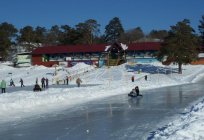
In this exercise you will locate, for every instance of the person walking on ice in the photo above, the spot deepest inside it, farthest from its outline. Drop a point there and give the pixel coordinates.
(67, 80)
(12, 83)
(78, 81)
(3, 86)
(43, 82)
(46, 82)
(21, 81)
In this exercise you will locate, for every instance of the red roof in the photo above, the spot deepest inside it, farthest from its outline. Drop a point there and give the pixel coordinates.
(93, 48)
(144, 46)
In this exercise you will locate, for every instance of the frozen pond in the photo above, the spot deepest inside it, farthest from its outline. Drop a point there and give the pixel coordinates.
(118, 117)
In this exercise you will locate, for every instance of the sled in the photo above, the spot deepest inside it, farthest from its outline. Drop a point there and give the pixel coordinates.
(134, 95)
(37, 88)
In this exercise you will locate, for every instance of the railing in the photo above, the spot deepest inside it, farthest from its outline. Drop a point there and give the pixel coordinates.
(72, 74)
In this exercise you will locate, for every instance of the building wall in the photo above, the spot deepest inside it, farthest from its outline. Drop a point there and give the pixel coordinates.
(37, 60)
(199, 62)
(23, 59)
(88, 62)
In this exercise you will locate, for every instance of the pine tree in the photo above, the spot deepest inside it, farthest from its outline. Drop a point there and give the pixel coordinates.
(53, 35)
(180, 46)
(7, 34)
(132, 35)
(88, 30)
(114, 30)
(201, 29)
(158, 34)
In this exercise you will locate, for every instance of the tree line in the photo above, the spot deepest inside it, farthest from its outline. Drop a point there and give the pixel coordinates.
(87, 32)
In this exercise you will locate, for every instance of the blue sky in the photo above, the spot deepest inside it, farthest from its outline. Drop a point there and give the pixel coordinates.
(147, 14)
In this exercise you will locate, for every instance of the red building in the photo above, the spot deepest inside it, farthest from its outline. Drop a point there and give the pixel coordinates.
(98, 54)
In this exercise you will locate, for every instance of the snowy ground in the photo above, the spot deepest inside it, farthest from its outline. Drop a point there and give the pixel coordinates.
(97, 83)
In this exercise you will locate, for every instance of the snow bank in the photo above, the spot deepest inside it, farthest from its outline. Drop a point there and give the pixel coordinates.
(5, 67)
(189, 126)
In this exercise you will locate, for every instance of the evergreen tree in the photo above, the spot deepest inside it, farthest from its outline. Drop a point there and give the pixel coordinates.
(53, 35)
(69, 35)
(89, 30)
(201, 29)
(158, 34)
(133, 35)
(114, 30)
(27, 34)
(180, 46)
(7, 34)
(40, 34)
(27, 38)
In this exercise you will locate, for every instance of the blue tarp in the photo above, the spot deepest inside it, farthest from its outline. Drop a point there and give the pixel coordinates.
(147, 68)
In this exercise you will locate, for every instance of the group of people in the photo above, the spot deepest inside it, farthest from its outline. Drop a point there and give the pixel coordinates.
(12, 82)
(133, 78)
(135, 92)
(3, 84)
(66, 80)
(44, 83)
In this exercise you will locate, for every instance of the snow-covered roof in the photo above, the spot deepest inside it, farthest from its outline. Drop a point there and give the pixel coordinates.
(201, 55)
(107, 47)
(124, 46)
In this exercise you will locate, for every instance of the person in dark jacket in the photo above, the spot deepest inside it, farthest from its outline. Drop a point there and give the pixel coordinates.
(67, 80)
(43, 82)
(137, 91)
(21, 81)
(46, 82)
(133, 78)
(145, 77)
(12, 83)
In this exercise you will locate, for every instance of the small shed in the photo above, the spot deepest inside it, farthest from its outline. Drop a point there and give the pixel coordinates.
(116, 54)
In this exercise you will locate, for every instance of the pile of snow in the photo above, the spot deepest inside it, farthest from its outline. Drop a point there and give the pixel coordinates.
(188, 126)
(5, 66)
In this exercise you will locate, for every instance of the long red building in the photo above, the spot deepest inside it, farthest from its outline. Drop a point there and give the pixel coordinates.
(98, 54)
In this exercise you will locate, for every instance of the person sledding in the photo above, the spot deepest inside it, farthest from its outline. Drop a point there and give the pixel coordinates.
(135, 92)
(37, 86)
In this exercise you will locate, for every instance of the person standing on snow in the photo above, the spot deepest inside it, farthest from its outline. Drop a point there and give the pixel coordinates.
(145, 77)
(67, 80)
(43, 82)
(3, 86)
(46, 82)
(12, 83)
(21, 81)
(78, 81)
(133, 78)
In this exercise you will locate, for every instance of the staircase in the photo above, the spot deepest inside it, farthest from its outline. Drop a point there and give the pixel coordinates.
(113, 62)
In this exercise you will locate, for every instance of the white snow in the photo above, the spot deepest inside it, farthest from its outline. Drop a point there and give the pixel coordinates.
(124, 46)
(96, 83)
